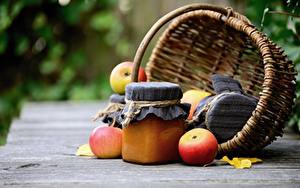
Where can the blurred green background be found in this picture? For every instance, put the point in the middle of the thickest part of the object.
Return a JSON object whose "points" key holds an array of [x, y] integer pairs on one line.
{"points": [[65, 49]]}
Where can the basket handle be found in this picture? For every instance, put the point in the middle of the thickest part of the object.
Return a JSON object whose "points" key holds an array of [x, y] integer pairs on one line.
{"points": [[162, 21]]}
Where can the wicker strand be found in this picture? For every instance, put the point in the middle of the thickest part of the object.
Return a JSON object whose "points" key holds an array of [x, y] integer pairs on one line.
{"points": [[229, 12], [135, 107]]}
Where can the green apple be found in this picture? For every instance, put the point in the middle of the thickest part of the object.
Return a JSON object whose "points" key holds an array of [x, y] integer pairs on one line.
{"points": [[121, 76]]}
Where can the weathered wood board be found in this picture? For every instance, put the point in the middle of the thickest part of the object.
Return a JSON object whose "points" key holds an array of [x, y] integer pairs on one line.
{"points": [[41, 146]]}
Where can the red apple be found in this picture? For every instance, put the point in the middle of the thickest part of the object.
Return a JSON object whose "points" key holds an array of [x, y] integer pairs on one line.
{"points": [[198, 147], [121, 76], [106, 142]]}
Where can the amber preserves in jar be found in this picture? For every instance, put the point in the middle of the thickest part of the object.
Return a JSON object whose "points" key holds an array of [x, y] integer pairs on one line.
{"points": [[156, 122]]}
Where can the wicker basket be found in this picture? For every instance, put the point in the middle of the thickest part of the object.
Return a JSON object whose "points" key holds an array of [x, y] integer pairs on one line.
{"points": [[206, 39]]}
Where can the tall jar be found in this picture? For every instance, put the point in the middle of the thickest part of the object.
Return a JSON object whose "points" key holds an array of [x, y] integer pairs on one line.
{"points": [[153, 122]]}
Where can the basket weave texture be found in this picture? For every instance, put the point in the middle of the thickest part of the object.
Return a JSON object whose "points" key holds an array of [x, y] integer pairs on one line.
{"points": [[203, 40]]}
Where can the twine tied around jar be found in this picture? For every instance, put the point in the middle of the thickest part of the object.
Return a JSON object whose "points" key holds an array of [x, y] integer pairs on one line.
{"points": [[135, 107], [111, 108]]}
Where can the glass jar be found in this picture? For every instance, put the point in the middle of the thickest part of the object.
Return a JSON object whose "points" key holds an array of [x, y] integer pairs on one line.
{"points": [[156, 122]]}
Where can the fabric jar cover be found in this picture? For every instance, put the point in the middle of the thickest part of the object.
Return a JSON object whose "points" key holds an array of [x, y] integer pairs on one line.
{"points": [[153, 92], [116, 98], [119, 102], [227, 112]]}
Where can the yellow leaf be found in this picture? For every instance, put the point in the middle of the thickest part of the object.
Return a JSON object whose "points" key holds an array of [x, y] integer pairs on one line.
{"points": [[84, 150], [245, 163], [241, 162], [236, 162], [226, 159], [253, 160]]}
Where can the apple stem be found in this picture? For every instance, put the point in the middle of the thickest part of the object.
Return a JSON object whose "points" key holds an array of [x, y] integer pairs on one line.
{"points": [[194, 137]]}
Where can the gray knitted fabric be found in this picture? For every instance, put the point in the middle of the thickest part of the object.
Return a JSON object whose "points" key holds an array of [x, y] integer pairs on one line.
{"points": [[225, 84], [228, 113]]}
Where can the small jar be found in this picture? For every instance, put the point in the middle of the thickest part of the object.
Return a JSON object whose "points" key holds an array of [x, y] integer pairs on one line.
{"points": [[154, 121], [111, 114]]}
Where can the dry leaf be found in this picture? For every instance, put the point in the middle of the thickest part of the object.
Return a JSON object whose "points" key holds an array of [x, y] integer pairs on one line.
{"points": [[226, 159], [253, 160], [84, 150], [241, 162], [245, 163]]}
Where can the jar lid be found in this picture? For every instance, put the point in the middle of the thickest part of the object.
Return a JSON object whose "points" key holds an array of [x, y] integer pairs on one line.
{"points": [[116, 98], [153, 91]]}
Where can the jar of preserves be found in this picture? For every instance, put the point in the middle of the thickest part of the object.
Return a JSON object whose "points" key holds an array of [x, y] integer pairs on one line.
{"points": [[153, 122]]}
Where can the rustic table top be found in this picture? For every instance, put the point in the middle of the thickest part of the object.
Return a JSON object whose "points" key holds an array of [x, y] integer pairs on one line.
{"points": [[41, 146]]}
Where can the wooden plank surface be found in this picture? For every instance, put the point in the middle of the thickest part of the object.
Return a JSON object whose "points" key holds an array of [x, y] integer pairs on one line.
{"points": [[42, 142]]}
